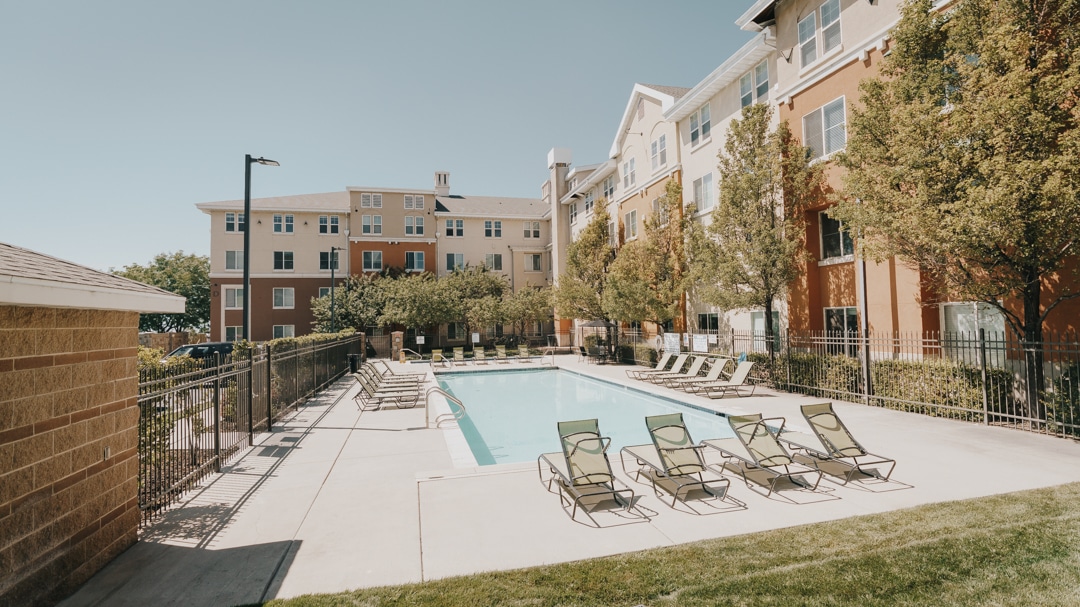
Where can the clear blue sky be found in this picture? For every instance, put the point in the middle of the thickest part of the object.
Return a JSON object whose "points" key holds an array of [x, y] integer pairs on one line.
{"points": [[117, 117]]}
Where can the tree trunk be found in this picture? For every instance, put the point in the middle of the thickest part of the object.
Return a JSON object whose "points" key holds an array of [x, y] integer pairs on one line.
{"points": [[769, 331], [1033, 353]]}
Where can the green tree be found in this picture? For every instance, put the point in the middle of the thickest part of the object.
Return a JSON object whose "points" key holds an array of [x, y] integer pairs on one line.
{"points": [[753, 248], [416, 301], [964, 159], [358, 303], [474, 297], [647, 280], [580, 289], [527, 305], [185, 275]]}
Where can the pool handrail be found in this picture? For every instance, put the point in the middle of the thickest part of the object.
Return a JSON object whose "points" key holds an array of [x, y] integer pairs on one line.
{"points": [[442, 417]]}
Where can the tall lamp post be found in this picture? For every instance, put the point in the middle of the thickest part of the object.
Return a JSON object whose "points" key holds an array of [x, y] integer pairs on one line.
{"points": [[248, 160], [333, 266]]}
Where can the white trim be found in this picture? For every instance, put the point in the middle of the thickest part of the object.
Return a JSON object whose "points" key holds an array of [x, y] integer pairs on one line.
{"points": [[278, 274], [639, 91], [15, 290], [396, 239], [369, 190], [752, 53]]}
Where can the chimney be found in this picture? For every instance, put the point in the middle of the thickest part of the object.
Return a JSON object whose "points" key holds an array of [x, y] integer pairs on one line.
{"points": [[442, 183]]}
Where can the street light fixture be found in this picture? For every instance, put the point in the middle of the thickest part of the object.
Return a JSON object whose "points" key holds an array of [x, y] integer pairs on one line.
{"points": [[333, 266], [248, 160]]}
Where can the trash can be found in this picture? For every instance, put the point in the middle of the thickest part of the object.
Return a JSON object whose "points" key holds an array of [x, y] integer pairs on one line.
{"points": [[354, 363]]}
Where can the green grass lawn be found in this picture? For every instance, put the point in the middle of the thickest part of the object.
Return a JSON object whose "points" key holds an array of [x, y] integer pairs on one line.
{"points": [[1016, 549]]}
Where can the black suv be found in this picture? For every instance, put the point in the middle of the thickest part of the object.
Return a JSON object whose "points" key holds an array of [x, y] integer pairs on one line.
{"points": [[201, 351]]}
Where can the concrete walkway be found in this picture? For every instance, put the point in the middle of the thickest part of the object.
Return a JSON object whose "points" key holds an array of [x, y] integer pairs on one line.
{"points": [[336, 499]]}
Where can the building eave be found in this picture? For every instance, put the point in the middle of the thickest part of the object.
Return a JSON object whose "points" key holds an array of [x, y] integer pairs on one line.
{"points": [[752, 53], [21, 291]]}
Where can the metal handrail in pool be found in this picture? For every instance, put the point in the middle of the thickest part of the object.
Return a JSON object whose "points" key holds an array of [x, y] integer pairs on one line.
{"points": [[442, 417]]}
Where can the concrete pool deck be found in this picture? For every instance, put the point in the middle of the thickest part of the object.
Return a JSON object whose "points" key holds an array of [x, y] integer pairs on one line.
{"points": [[336, 499]]}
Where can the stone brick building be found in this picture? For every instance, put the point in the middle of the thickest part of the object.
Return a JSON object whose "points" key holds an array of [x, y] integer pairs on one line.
{"points": [[68, 421]]}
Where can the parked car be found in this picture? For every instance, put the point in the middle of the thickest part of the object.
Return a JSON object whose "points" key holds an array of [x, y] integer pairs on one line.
{"points": [[203, 351]]}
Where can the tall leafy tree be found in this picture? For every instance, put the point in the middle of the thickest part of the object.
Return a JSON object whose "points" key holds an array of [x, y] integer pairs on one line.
{"points": [[416, 301], [580, 289], [185, 275], [474, 297], [964, 159], [647, 280], [527, 305], [358, 303], [753, 248]]}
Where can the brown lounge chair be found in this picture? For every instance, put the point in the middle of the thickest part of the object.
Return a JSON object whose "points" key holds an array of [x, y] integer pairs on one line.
{"points": [[720, 388], [756, 454], [582, 470], [673, 462], [833, 449]]}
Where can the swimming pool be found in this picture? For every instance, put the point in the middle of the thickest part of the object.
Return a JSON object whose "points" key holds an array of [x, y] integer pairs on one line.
{"points": [[511, 415]]}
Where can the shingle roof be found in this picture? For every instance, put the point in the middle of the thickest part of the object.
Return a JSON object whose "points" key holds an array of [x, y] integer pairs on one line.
{"points": [[492, 206], [24, 273], [327, 201], [674, 91]]}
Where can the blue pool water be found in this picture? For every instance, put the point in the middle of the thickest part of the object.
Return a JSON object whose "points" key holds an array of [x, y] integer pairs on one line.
{"points": [[512, 415]]}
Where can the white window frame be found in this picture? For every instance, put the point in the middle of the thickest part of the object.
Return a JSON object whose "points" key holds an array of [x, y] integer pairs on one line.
{"points": [[532, 229], [417, 261], [817, 134], [629, 173], [237, 333], [328, 224], [492, 228], [455, 228], [414, 225], [369, 261], [371, 224], [283, 331], [493, 261], [590, 199], [753, 87], [237, 297], [609, 187], [700, 126], [630, 225], [658, 152], [288, 261], [234, 222], [284, 298], [703, 192], [323, 292], [844, 256], [325, 261], [237, 264], [455, 261], [533, 262], [612, 234], [371, 201], [573, 212], [814, 34]]}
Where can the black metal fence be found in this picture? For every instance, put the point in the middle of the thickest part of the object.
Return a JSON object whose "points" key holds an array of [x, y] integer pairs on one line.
{"points": [[985, 378], [195, 418]]}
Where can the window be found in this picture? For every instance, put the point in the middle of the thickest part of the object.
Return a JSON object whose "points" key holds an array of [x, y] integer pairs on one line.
{"points": [[611, 234], [609, 187], [324, 291], [659, 212], [234, 260], [372, 261], [573, 212], [234, 222], [455, 330], [757, 326], [283, 260], [828, 36], [414, 225], [281, 331], [371, 224], [492, 229], [825, 129], [493, 261], [283, 224], [708, 323], [234, 333], [588, 203], [754, 85], [455, 227], [414, 202], [629, 175], [631, 225], [842, 330], [414, 261], [283, 297], [658, 152], [532, 262], [328, 224], [454, 261], [835, 241], [371, 201], [960, 323], [703, 192], [700, 125], [234, 297], [324, 260]]}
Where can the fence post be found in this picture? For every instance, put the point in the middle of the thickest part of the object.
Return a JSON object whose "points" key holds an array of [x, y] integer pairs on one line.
{"points": [[985, 383], [249, 395], [269, 392], [868, 388], [217, 411], [296, 374]]}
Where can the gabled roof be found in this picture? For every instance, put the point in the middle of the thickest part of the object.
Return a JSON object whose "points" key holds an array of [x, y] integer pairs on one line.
{"points": [[744, 59], [29, 278], [329, 201], [491, 206], [664, 95], [761, 13]]}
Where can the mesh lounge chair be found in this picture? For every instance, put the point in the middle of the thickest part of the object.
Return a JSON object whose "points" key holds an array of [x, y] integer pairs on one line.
{"points": [[371, 398], [757, 455], [583, 471], [381, 381], [695, 368], [479, 358], [523, 354], [684, 381], [832, 447], [676, 367], [673, 462], [500, 354], [437, 357], [389, 371], [459, 355], [720, 388], [661, 366]]}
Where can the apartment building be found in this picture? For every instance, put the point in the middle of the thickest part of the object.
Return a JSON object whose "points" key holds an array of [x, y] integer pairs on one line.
{"points": [[291, 242], [393, 229]]}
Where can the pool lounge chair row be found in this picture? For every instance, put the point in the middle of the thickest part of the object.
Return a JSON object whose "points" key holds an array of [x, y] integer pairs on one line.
{"points": [[675, 464], [713, 384], [382, 387], [479, 356]]}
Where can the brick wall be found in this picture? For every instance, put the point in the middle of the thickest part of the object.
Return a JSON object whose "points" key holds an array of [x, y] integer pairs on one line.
{"points": [[68, 447]]}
